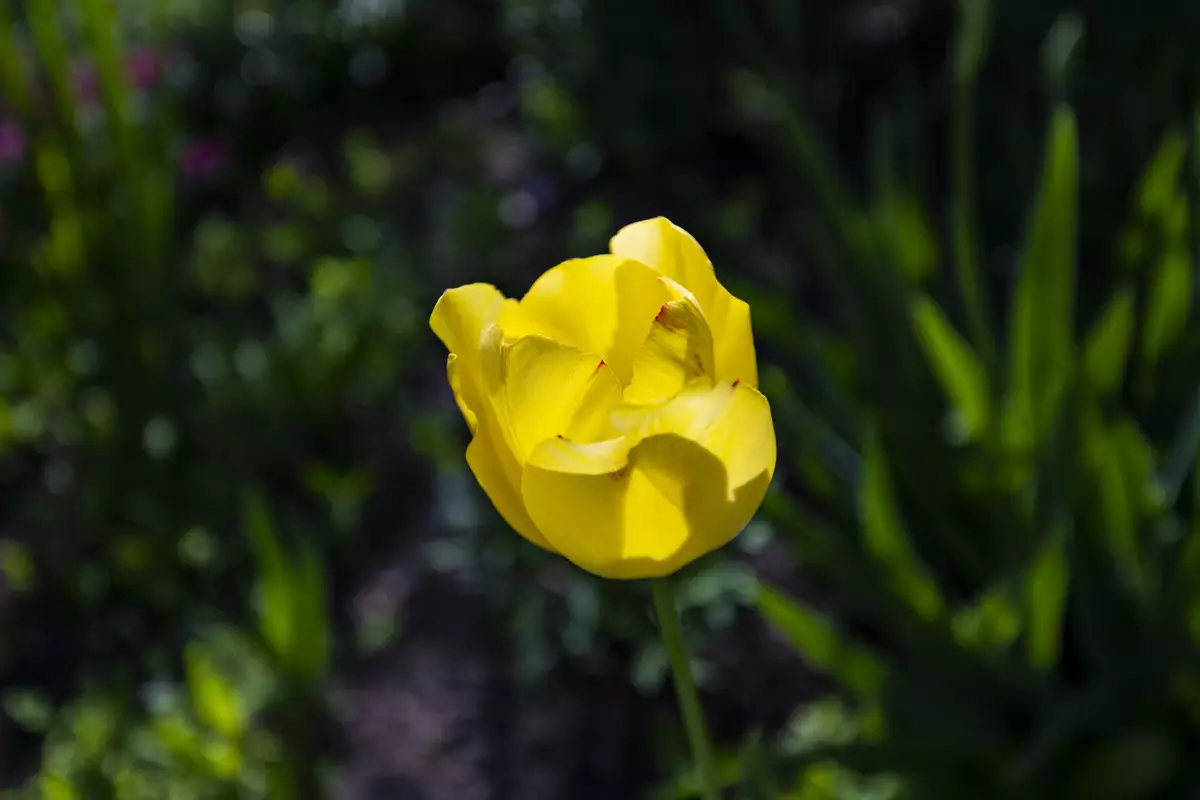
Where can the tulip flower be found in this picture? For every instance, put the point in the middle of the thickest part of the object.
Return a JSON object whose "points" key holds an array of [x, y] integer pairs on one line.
{"points": [[614, 409], [615, 417]]}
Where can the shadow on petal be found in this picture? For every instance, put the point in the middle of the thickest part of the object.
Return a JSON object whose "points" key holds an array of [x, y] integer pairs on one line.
{"points": [[667, 505]]}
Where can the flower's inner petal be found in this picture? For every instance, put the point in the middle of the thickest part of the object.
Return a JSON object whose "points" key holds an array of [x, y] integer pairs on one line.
{"points": [[682, 485], [676, 255], [602, 305], [678, 350], [541, 389]]}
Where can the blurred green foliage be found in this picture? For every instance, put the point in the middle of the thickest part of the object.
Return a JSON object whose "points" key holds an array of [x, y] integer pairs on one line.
{"points": [[224, 222]]}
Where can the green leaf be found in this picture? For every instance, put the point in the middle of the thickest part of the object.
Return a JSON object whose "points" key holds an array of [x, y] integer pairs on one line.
{"points": [[991, 624], [28, 708], [1045, 599], [954, 363], [292, 599], [971, 42], [885, 537], [1126, 491], [1043, 308], [1185, 571], [1157, 190], [913, 243], [1169, 302], [1106, 350], [274, 586], [816, 638], [312, 617], [1058, 50], [216, 702], [54, 787]]}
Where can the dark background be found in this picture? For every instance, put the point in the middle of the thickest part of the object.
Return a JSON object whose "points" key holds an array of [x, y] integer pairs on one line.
{"points": [[240, 552]]}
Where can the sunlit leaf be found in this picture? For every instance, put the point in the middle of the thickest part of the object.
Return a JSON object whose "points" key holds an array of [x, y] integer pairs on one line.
{"points": [[216, 702], [1045, 598], [992, 623], [1169, 302], [1157, 190], [1106, 350], [954, 363], [1043, 305], [816, 639], [274, 589]]}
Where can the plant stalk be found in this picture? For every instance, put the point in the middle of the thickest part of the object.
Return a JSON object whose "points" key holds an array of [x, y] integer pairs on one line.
{"points": [[685, 687]]}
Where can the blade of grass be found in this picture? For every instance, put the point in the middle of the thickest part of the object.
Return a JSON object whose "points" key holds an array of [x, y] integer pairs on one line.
{"points": [[1168, 304], [1045, 600], [962, 377], [970, 46], [1107, 347], [1043, 309], [276, 613]]}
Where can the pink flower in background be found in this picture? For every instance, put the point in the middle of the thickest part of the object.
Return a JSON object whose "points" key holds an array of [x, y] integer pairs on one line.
{"points": [[12, 142], [202, 158], [142, 67]]}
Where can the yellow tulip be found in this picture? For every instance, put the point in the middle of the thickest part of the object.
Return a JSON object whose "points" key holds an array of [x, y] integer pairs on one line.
{"points": [[614, 409]]}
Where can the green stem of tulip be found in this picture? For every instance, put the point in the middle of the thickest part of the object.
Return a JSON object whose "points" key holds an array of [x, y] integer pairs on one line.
{"points": [[685, 687]]}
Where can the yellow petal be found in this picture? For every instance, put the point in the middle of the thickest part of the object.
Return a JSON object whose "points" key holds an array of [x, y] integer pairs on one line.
{"points": [[459, 319], [672, 251], [486, 457], [602, 305], [456, 387], [540, 389], [645, 505], [678, 350]]}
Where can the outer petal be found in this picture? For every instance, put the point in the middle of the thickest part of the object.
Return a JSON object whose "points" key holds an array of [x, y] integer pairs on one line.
{"points": [[602, 305], [672, 251], [648, 504], [459, 319], [532, 389], [493, 466]]}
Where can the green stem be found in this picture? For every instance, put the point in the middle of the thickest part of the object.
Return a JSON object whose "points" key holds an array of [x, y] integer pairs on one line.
{"points": [[685, 687]]}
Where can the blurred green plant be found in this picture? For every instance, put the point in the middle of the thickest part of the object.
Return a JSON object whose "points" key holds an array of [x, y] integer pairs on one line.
{"points": [[1004, 517], [216, 251]]}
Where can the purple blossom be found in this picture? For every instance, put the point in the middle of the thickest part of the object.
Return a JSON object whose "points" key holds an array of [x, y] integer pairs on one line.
{"points": [[202, 158], [143, 68], [12, 142]]}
